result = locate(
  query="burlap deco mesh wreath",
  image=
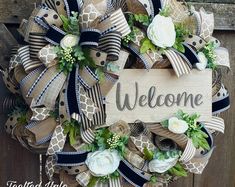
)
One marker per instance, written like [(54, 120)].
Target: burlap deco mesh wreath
[(75, 53)]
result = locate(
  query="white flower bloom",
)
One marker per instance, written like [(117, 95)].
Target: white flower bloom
[(161, 166), (102, 163), (177, 126), (162, 31), (202, 61), (69, 40)]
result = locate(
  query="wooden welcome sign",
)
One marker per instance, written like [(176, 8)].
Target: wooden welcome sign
[(154, 95)]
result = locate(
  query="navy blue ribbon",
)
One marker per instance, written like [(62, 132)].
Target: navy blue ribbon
[(190, 54), (54, 35), (131, 175), (71, 93), (90, 37), (73, 6), (221, 105), (157, 5), (71, 158)]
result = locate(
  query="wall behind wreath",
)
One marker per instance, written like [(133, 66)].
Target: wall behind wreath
[(17, 164)]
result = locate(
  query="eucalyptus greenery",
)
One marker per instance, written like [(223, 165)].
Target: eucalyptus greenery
[(209, 52), (105, 139), (71, 24), (73, 129), (160, 155)]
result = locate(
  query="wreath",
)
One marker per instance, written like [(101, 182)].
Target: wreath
[(74, 54)]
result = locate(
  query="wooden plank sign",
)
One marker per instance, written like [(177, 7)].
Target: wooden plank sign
[(154, 95)]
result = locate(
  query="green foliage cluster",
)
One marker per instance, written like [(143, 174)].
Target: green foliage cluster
[(132, 19), (71, 24), (70, 57), (73, 129), (195, 130), (209, 52), (181, 33), (103, 179), (178, 170), (160, 155), (105, 139)]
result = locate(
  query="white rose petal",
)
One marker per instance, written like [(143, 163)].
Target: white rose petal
[(177, 126), (69, 40), (161, 166), (162, 31), (103, 163), (202, 61)]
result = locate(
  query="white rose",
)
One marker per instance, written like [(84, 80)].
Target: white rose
[(202, 61), (162, 31), (177, 126), (102, 163), (69, 40), (161, 166)]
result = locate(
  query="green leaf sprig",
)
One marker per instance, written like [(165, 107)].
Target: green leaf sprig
[(181, 33), (160, 155), (165, 12), (209, 52), (146, 44), (195, 130), (71, 24), (132, 19), (103, 179), (73, 129), (105, 139), (69, 57), (178, 170)]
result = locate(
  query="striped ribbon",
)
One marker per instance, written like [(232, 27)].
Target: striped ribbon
[(115, 182), (114, 22), (216, 124), (36, 43), (28, 64), (88, 135), (111, 44), (189, 152), (50, 4), (179, 65)]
